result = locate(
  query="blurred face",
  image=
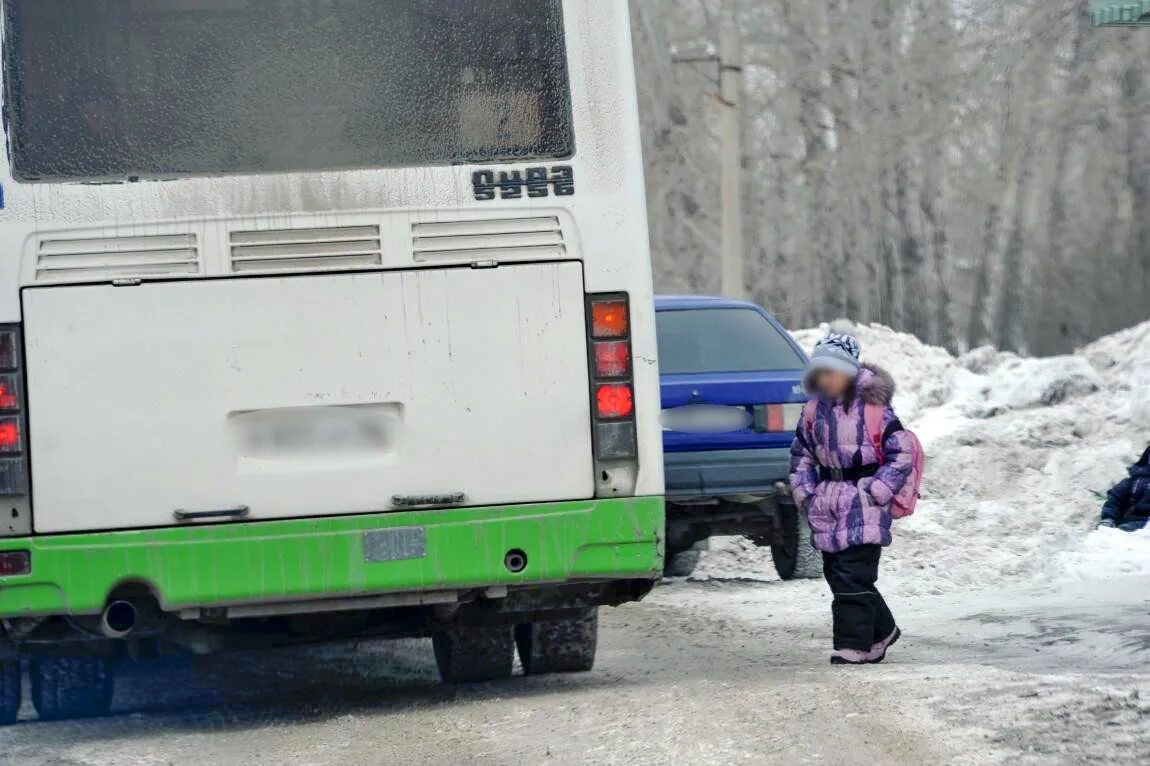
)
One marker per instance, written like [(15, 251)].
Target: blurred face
[(833, 384)]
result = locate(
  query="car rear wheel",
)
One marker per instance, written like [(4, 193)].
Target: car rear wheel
[(793, 556), (10, 678), (469, 654), (559, 646)]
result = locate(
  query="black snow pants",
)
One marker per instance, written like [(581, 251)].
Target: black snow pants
[(861, 616)]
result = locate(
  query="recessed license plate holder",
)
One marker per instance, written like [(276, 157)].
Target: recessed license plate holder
[(399, 544)]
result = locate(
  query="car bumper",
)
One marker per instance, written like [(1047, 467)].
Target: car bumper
[(276, 561), (725, 473)]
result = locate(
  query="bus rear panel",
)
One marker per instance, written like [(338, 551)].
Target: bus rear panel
[(322, 309)]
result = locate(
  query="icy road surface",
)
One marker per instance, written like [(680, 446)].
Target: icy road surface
[(699, 673)]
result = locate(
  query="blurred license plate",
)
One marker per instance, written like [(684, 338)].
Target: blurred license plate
[(290, 433), (705, 419), (395, 544)]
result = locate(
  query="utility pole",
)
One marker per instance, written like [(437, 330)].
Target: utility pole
[(732, 275), (733, 282)]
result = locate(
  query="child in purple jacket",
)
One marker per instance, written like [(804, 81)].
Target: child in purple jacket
[(845, 487)]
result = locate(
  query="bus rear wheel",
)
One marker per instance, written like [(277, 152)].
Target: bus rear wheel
[(469, 654), (559, 646), (71, 687), (10, 678)]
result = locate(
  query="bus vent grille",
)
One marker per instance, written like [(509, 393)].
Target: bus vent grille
[(539, 237), (347, 247), (103, 257)]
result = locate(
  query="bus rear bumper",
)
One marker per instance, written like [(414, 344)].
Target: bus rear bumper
[(340, 558)]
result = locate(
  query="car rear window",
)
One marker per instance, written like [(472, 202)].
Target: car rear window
[(722, 340)]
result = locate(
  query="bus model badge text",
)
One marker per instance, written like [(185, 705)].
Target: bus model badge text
[(517, 184)]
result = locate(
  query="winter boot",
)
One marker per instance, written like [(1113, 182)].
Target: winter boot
[(877, 652), (849, 657)]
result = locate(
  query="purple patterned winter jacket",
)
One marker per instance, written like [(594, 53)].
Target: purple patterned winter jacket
[(843, 514)]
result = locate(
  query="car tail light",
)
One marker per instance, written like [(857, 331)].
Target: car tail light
[(613, 395), (792, 414), (777, 418), (13, 445), (15, 563)]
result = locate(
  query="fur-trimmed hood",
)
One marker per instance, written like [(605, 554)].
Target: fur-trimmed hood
[(875, 385)]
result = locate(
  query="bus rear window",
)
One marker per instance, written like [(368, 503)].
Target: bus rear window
[(722, 340), (107, 89)]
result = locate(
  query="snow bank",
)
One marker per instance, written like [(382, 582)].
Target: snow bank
[(1017, 449), (735, 558), (1108, 553)]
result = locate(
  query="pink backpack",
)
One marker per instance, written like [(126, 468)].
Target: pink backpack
[(906, 498)]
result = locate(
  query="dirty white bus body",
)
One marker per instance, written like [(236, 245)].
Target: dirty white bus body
[(320, 318)]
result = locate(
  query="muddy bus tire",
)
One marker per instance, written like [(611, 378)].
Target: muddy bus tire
[(559, 646), (10, 678), (469, 654), (71, 687), (793, 556)]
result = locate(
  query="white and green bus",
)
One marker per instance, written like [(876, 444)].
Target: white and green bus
[(321, 318)]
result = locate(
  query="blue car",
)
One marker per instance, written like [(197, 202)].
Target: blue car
[(732, 396)]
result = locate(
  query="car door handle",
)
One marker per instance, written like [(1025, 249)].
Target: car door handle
[(238, 512)]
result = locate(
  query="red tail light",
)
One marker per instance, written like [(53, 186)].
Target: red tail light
[(10, 439), (609, 319), (614, 402), (775, 418), (14, 463), (9, 398), (613, 360), (15, 563)]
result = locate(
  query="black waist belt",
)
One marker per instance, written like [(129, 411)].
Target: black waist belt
[(847, 474)]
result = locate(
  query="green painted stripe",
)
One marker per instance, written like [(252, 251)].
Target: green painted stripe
[(310, 558), (1108, 13)]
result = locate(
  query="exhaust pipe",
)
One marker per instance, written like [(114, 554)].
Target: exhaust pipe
[(119, 619)]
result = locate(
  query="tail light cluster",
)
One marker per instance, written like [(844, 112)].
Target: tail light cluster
[(777, 418), (613, 395), (13, 445)]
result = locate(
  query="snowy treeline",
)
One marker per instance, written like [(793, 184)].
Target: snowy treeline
[(971, 171)]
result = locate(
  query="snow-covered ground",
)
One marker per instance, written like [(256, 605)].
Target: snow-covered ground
[(1018, 451), (699, 673)]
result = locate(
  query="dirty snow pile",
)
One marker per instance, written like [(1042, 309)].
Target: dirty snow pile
[(1017, 450)]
